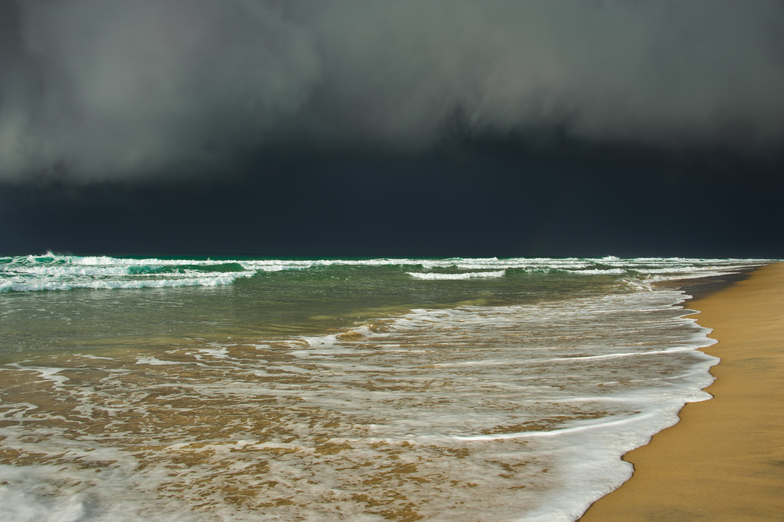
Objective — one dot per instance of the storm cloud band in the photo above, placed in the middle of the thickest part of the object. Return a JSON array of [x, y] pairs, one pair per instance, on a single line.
[[95, 90]]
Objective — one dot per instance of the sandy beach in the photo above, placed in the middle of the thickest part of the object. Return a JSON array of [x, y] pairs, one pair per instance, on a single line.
[[725, 459]]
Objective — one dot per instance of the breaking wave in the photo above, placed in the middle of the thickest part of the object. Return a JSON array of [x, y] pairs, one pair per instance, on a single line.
[[464, 275], [65, 272]]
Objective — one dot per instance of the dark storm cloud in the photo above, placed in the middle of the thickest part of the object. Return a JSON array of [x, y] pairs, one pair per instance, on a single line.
[[96, 90]]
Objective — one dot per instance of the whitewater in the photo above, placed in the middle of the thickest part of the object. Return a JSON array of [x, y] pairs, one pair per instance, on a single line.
[[337, 389]]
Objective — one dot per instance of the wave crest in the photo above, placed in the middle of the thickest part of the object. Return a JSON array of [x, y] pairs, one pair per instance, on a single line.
[[464, 275]]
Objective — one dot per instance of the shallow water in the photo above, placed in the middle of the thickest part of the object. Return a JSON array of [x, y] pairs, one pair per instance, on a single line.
[[456, 389]]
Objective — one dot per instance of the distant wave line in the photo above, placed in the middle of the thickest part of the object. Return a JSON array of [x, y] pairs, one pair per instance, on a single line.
[[464, 275]]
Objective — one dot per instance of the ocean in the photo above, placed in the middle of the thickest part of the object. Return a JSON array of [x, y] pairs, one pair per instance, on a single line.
[[456, 389]]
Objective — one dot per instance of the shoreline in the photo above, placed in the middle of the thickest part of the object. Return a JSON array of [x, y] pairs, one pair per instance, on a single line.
[[701, 287], [724, 459]]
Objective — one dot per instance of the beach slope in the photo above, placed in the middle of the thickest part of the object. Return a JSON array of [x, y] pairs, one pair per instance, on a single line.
[[725, 459]]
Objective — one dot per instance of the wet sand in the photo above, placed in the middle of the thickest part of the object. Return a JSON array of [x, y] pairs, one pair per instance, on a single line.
[[725, 459]]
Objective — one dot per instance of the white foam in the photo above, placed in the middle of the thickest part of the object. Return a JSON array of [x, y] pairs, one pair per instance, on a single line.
[[598, 271], [464, 275], [320, 341], [40, 493], [47, 374], [20, 503], [153, 361]]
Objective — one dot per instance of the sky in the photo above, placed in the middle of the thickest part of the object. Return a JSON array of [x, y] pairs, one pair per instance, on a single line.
[[392, 128]]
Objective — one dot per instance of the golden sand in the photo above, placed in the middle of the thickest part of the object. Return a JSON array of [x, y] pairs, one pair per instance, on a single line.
[[725, 459]]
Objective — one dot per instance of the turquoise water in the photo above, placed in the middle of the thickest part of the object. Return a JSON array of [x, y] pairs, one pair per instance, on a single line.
[[219, 299], [354, 389]]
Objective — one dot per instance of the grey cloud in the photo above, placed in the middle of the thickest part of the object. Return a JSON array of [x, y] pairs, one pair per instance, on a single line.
[[124, 88], [102, 90]]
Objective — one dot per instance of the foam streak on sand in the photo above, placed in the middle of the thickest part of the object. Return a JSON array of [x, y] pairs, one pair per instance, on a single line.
[[725, 460]]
